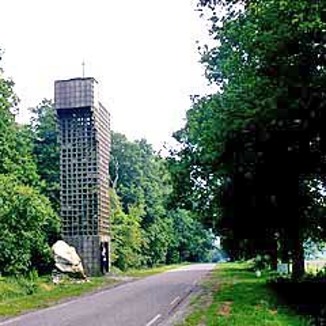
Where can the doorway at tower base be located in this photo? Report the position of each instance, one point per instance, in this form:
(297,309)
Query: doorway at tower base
(90,250)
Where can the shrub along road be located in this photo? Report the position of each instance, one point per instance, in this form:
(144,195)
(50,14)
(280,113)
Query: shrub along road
(145,302)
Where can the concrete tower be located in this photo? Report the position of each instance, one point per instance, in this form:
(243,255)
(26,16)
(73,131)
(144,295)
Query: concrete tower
(84,136)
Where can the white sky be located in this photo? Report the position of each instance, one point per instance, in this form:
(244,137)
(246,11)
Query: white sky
(142,52)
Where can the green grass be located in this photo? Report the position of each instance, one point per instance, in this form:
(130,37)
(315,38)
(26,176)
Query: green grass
(20,295)
(234,296)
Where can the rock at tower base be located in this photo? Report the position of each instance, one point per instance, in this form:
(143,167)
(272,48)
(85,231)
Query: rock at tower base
(67,260)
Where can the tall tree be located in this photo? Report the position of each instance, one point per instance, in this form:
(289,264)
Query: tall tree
(260,141)
(191,242)
(8,102)
(28,223)
(140,175)
(143,182)
(126,235)
(46,149)
(15,144)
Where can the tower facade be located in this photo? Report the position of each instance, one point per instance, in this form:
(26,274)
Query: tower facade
(84,136)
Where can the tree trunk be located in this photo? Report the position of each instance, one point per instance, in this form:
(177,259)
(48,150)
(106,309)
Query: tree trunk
(274,255)
(298,268)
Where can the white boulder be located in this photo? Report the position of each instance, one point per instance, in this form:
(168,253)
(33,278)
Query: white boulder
(67,260)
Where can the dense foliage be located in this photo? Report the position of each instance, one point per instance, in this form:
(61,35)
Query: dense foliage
(140,177)
(147,229)
(28,224)
(256,149)
(46,149)
(127,240)
(27,221)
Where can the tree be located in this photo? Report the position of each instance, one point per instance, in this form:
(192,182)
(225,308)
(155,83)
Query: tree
(140,176)
(15,144)
(46,149)
(126,235)
(258,143)
(23,165)
(143,181)
(191,242)
(158,238)
(8,102)
(28,226)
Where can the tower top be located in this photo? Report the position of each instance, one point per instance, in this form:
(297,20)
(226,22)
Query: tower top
(75,79)
(76,93)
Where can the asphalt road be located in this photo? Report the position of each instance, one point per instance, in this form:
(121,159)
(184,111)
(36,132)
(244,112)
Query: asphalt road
(145,302)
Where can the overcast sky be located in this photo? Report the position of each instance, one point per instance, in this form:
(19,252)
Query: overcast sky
(142,52)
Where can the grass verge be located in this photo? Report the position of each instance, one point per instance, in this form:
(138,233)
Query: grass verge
(19,295)
(234,296)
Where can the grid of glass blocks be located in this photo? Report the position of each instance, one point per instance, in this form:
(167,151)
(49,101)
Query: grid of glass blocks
(84,132)
(84,136)
(79,173)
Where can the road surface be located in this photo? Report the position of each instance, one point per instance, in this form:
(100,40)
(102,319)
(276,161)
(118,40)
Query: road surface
(145,302)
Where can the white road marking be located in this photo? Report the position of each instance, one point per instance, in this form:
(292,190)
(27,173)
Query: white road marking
(153,320)
(174,300)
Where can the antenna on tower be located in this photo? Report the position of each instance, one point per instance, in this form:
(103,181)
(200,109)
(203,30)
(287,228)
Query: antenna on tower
(83,64)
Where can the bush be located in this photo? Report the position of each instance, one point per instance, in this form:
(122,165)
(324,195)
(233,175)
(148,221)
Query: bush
(306,295)
(28,224)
